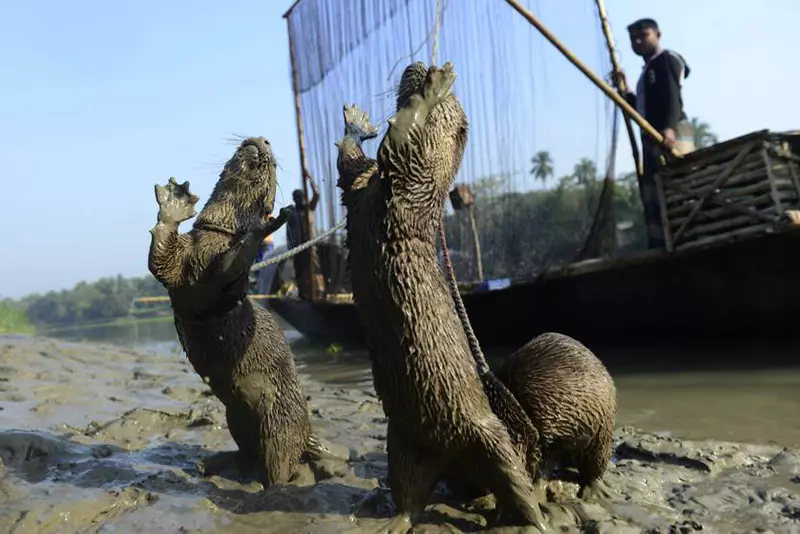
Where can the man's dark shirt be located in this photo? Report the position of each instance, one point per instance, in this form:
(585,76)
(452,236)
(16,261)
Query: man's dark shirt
(296,227)
(663,103)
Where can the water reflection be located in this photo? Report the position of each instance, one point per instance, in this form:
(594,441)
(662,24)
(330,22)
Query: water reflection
(671,391)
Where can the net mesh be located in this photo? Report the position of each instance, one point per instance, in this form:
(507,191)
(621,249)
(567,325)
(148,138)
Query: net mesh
(540,132)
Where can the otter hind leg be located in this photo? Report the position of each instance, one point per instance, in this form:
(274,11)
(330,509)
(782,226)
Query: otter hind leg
(280,441)
(241,425)
(592,464)
(413,473)
(281,452)
(504,473)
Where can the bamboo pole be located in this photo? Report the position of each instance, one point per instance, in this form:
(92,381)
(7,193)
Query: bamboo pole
(612,50)
(603,86)
(302,149)
(291,8)
(301,144)
(476,243)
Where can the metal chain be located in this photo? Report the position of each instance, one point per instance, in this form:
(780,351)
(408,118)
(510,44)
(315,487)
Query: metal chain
(276,258)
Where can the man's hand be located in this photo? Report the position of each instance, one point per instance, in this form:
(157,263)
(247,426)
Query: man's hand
(670,140)
(312,183)
(618,79)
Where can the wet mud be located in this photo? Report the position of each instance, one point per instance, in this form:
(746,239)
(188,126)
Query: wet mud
(97,438)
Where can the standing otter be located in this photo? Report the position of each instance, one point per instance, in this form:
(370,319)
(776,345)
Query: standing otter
(555,396)
(233,343)
(439,416)
(504,404)
(552,385)
(571,399)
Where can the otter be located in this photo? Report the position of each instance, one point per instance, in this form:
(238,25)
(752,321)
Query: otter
(571,399)
(233,343)
(555,396)
(504,404)
(530,395)
(439,417)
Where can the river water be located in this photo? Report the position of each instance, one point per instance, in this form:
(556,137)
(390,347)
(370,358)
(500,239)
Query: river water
(677,396)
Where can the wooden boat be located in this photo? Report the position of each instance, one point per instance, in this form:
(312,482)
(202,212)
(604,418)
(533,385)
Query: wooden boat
(745,288)
(729,214)
(731,273)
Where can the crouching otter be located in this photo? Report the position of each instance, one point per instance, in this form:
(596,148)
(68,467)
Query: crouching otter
(233,343)
(571,399)
(439,417)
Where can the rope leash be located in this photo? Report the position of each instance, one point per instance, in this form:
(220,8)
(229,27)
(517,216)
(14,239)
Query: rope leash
(276,258)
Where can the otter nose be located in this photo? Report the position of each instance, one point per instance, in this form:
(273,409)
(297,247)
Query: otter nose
(258,143)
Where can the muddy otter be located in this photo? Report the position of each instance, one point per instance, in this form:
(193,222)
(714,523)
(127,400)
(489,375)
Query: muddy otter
(573,437)
(233,343)
(555,396)
(503,402)
(439,415)
(571,399)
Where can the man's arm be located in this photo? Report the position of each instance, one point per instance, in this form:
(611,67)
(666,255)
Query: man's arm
(312,204)
(622,87)
(672,91)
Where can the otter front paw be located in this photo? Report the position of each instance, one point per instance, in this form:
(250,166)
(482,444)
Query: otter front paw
(357,123)
(437,84)
(175,201)
(270,224)
(414,114)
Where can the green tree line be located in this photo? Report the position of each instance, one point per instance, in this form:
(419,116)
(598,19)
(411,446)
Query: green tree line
(105,299)
(521,233)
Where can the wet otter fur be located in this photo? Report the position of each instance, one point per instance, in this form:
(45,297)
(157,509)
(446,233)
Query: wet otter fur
(439,417)
(533,375)
(233,343)
(564,407)
(571,399)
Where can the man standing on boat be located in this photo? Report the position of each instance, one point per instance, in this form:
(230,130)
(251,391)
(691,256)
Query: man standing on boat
(658,99)
(299,227)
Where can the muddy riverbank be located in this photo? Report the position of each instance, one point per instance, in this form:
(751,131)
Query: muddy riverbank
(98,438)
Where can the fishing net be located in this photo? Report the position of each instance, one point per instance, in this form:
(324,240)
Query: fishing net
(540,132)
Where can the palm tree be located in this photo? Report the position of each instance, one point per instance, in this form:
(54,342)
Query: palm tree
(703,135)
(542,166)
(585,172)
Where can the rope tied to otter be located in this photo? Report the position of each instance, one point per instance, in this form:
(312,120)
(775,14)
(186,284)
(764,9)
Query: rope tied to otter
(475,348)
(281,256)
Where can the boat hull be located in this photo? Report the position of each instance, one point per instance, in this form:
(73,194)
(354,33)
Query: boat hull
(745,289)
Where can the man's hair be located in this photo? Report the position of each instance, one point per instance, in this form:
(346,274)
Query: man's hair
(643,24)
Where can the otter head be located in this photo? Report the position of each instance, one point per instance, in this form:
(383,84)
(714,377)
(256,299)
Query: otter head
(411,82)
(246,188)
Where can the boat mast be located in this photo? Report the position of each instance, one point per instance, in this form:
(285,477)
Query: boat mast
(612,51)
(301,145)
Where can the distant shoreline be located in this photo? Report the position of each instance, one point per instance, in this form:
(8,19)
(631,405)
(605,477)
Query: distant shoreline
(122,321)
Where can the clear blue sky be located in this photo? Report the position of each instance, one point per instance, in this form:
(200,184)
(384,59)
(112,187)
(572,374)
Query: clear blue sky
(100,100)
